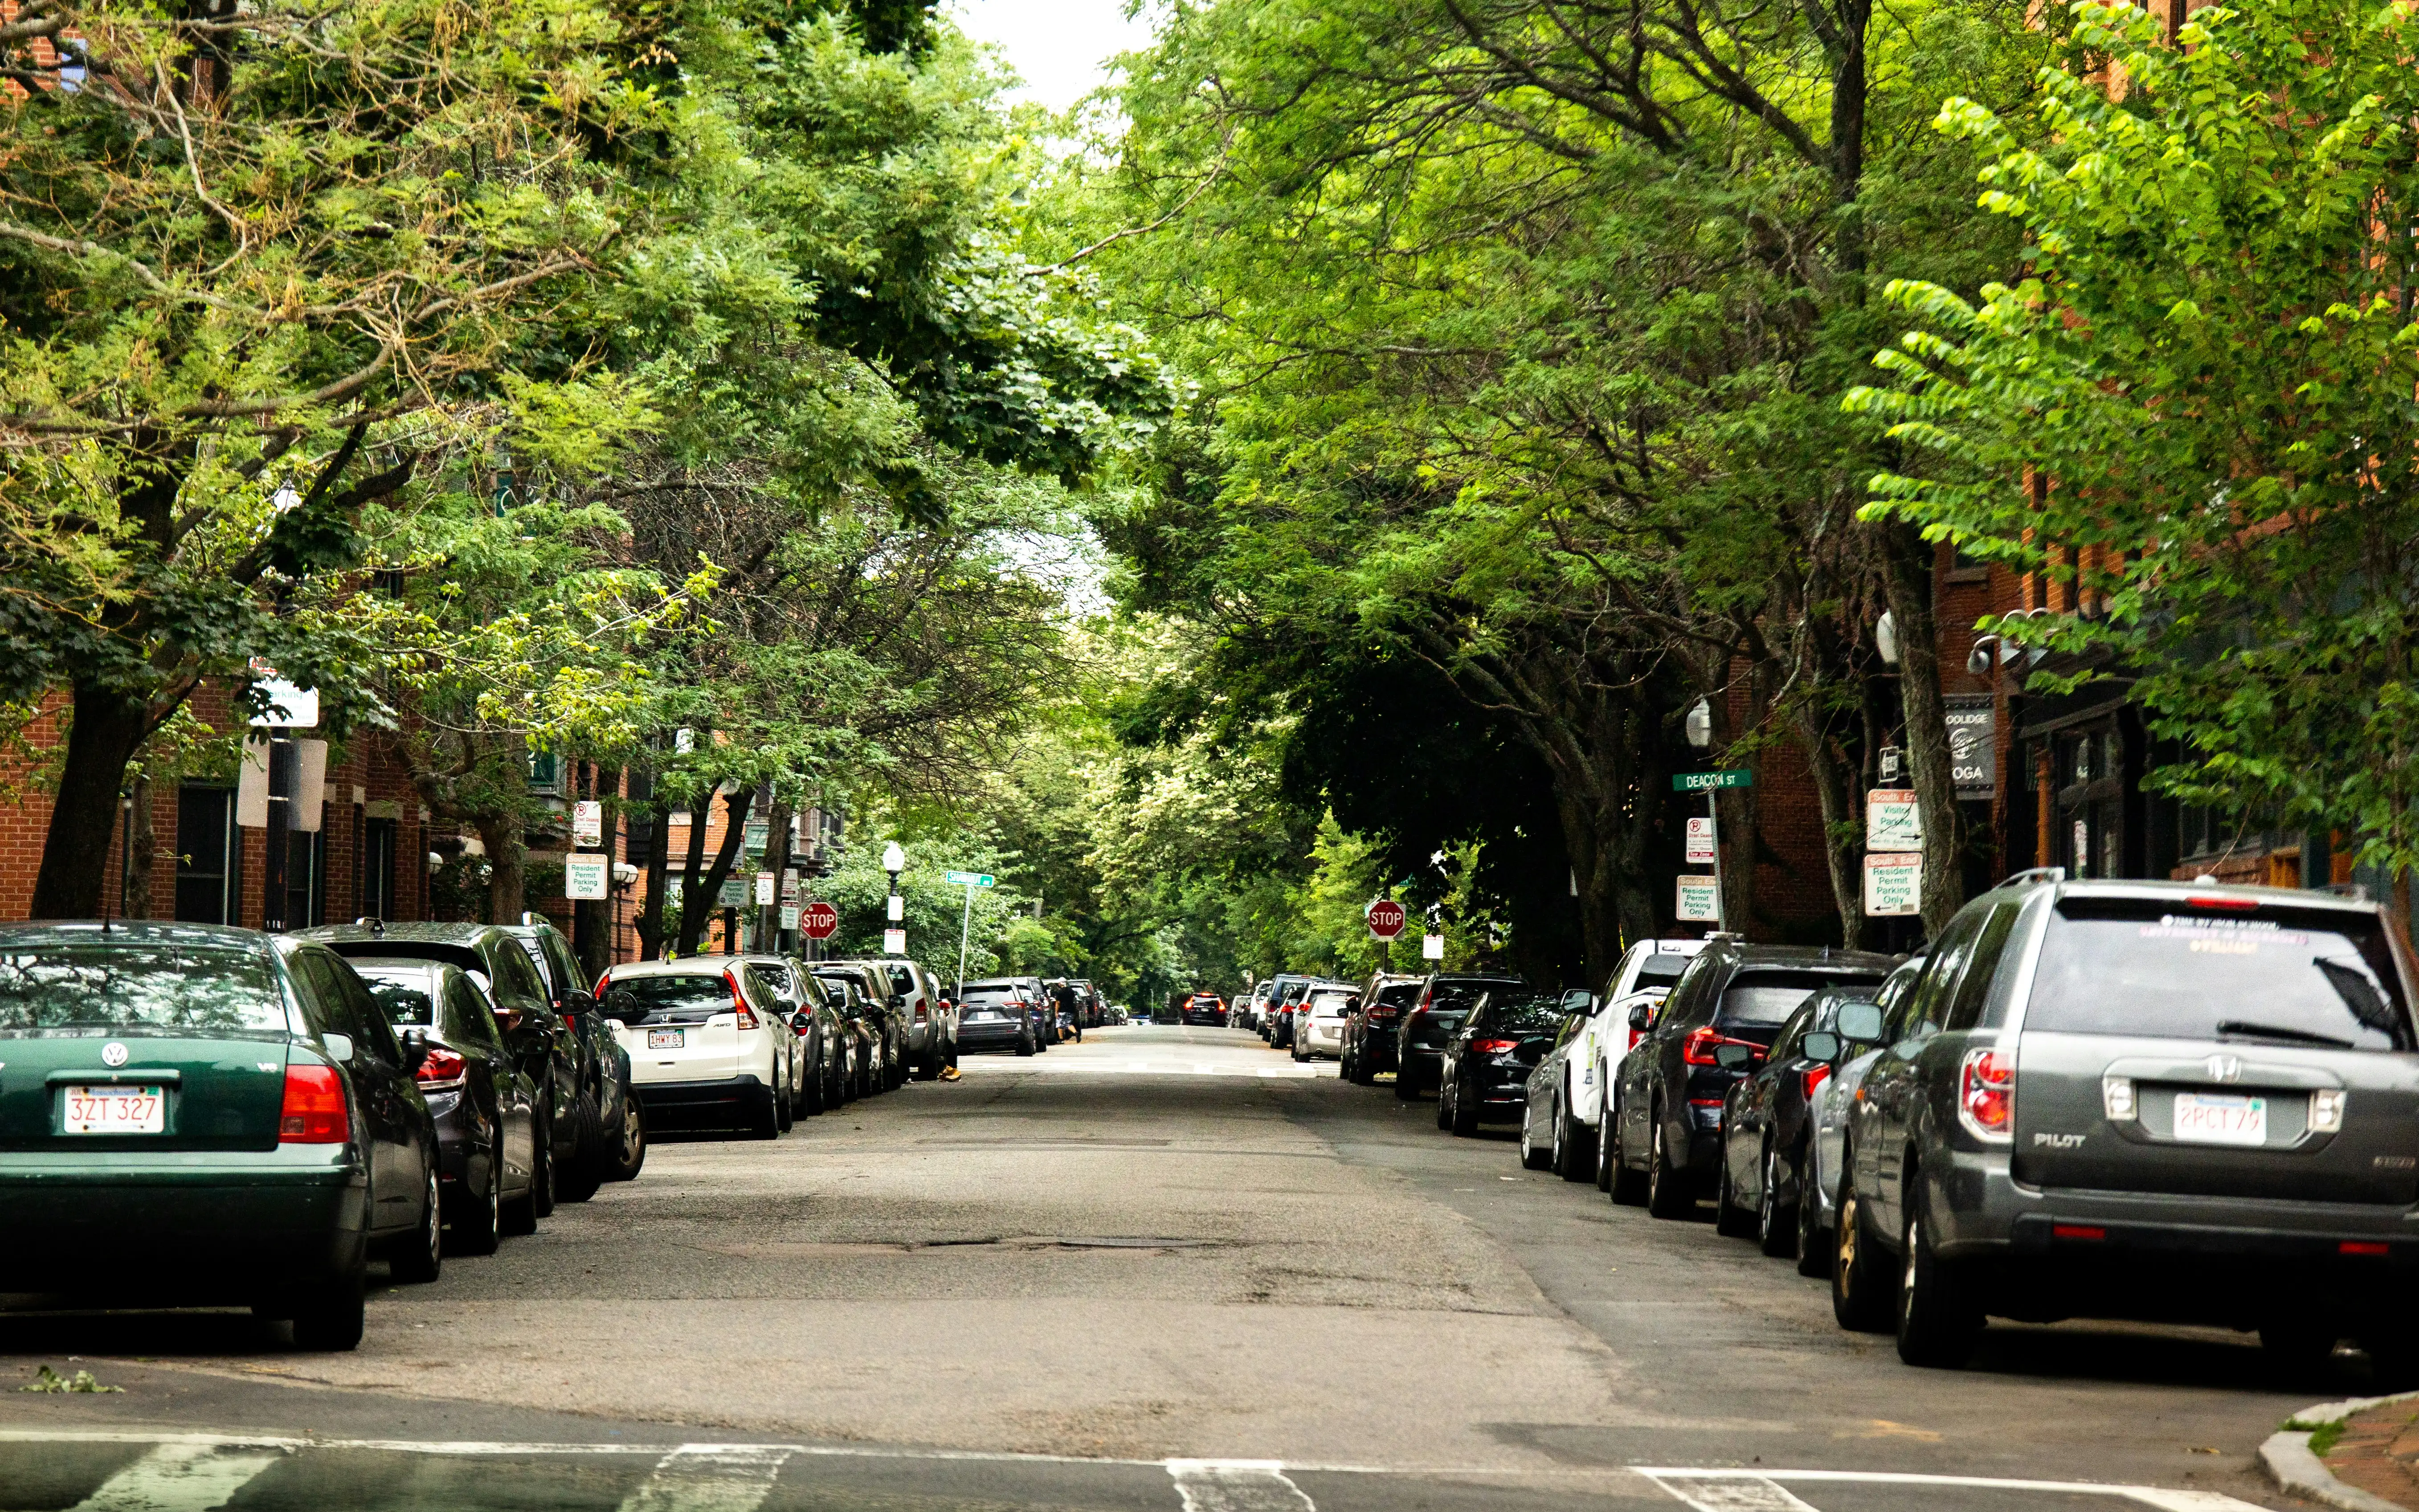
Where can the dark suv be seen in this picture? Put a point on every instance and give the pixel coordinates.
(1666, 1135)
(604, 1065)
(2163, 1101)
(1369, 1033)
(1431, 1022)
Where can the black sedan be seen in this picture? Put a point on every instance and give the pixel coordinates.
(1430, 1024)
(1668, 1094)
(1768, 1118)
(1485, 1073)
(484, 1107)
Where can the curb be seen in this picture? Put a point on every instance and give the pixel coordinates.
(2297, 1471)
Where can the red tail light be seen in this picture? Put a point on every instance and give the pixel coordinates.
(1698, 1048)
(2238, 905)
(1493, 1047)
(443, 1071)
(1986, 1093)
(1815, 1077)
(922, 1012)
(315, 1112)
(1636, 1035)
(739, 1002)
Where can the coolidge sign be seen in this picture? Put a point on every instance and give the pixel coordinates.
(1973, 747)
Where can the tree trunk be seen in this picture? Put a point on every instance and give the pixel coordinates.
(692, 911)
(656, 863)
(140, 850)
(107, 728)
(1907, 578)
(507, 867)
(697, 901)
(1835, 793)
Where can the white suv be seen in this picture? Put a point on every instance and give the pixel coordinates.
(707, 1039)
(1321, 1029)
(1647, 967)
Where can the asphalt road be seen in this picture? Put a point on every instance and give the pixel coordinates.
(1165, 1269)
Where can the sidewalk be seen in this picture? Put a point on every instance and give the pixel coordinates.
(2378, 1452)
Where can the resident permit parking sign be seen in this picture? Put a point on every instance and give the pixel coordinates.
(789, 916)
(586, 878)
(1699, 901)
(894, 942)
(1893, 883)
(1701, 841)
(1892, 820)
(1431, 947)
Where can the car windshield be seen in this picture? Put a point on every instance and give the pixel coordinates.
(404, 999)
(1331, 1005)
(1401, 994)
(1768, 997)
(1521, 1011)
(151, 985)
(1458, 998)
(2320, 978)
(1659, 971)
(690, 999)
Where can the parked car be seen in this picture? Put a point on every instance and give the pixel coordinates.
(799, 1071)
(1635, 1016)
(862, 1025)
(816, 1026)
(994, 1015)
(890, 1016)
(926, 1018)
(604, 1065)
(2174, 1100)
(1092, 1011)
(1322, 1031)
(1592, 1056)
(1369, 1030)
(1668, 1094)
(1818, 1186)
(199, 1116)
(1280, 1025)
(706, 1041)
(1485, 1074)
(1767, 1123)
(483, 1104)
(1205, 1009)
(1431, 1022)
(577, 1156)
(1549, 1127)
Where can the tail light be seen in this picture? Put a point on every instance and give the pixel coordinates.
(1493, 1047)
(1699, 1047)
(2232, 905)
(739, 1002)
(1815, 1077)
(1986, 1094)
(315, 1110)
(923, 1011)
(442, 1071)
(1636, 1035)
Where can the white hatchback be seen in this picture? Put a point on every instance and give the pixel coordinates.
(706, 1041)
(1320, 1032)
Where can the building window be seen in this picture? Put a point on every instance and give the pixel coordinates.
(305, 886)
(377, 870)
(207, 854)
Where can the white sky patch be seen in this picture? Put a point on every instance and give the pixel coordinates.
(1057, 47)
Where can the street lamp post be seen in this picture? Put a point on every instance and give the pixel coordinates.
(893, 860)
(1699, 728)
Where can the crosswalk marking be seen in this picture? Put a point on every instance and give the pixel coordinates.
(709, 1477)
(1141, 1066)
(1700, 1484)
(1741, 1493)
(179, 1478)
(1236, 1486)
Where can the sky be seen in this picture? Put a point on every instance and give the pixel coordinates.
(1056, 45)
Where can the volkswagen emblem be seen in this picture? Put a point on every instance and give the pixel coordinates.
(112, 1053)
(2224, 1069)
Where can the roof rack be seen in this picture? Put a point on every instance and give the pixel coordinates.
(2032, 876)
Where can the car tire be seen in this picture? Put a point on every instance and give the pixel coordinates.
(328, 1317)
(784, 1106)
(474, 1229)
(1666, 1185)
(1407, 1086)
(764, 1122)
(1024, 1046)
(632, 1157)
(420, 1256)
(1534, 1156)
(1465, 1118)
(1813, 1241)
(818, 1091)
(2297, 1350)
(1625, 1185)
(2393, 1348)
(1445, 1104)
(1731, 1220)
(1776, 1222)
(1937, 1318)
(542, 1168)
(587, 1167)
(1605, 1151)
(1860, 1300)
(1571, 1146)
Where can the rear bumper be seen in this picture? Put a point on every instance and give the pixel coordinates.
(720, 1091)
(195, 1229)
(998, 1036)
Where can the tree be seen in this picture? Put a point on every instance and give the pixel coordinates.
(2212, 360)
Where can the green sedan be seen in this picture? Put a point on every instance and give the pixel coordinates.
(198, 1115)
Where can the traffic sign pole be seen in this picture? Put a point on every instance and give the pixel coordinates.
(965, 925)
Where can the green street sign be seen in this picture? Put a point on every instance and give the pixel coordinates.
(967, 879)
(1701, 781)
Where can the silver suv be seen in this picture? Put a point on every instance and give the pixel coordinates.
(2161, 1100)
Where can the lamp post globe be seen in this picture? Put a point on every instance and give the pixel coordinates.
(894, 859)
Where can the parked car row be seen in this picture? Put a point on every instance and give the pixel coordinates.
(2165, 1102)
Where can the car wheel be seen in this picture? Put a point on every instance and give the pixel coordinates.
(2393, 1348)
(811, 1101)
(1571, 1146)
(420, 1256)
(1666, 1185)
(1731, 1220)
(1532, 1156)
(633, 1155)
(1407, 1086)
(765, 1121)
(1813, 1242)
(328, 1316)
(2297, 1347)
(1024, 1046)
(1445, 1103)
(1859, 1297)
(1937, 1318)
(783, 1103)
(1465, 1117)
(1776, 1222)
(542, 1170)
(1627, 1186)
(587, 1167)
(1605, 1163)
(473, 1230)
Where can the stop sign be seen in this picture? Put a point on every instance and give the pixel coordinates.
(1386, 918)
(819, 920)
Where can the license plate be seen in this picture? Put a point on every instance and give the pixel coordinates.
(2221, 1118)
(114, 1110)
(665, 1039)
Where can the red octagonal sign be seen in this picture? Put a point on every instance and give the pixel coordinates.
(1386, 918)
(821, 921)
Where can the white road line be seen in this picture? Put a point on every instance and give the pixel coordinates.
(1731, 1493)
(1236, 1486)
(709, 1477)
(178, 1478)
(2166, 1498)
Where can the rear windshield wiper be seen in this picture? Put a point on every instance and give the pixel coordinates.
(2233, 1027)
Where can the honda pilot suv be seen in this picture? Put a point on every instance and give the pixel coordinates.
(2170, 1102)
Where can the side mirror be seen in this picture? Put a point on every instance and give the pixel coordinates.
(1861, 1022)
(1734, 1056)
(415, 1046)
(339, 1047)
(1641, 1018)
(1819, 1044)
(1578, 1000)
(802, 1021)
